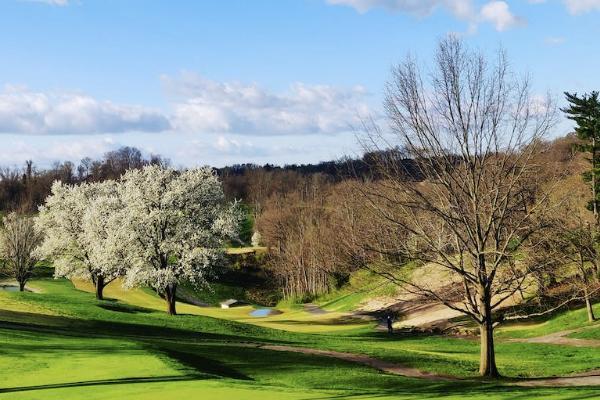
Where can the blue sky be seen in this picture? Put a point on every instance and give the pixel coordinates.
(227, 81)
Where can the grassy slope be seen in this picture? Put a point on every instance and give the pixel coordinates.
(592, 333)
(296, 320)
(362, 286)
(66, 342)
(217, 293)
(434, 353)
(562, 321)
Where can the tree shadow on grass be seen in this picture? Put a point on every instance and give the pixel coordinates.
(77, 327)
(339, 321)
(525, 395)
(125, 308)
(120, 381)
(203, 365)
(422, 389)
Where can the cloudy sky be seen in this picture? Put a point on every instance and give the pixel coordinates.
(227, 81)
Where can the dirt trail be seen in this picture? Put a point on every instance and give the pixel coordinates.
(314, 309)
(590, 378)
(381, 365)
(561, 338)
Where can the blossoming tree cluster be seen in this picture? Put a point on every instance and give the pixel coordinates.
(155, 227)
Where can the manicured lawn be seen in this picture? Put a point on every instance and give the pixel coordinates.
(564, 320)
(460, 357)
(227, 389)
(62, 366)
(590, 333)
(64, 344)
(292, 319)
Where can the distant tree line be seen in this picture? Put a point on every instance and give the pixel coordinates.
(25, 188)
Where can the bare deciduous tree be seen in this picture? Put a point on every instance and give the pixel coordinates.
(583, 247)
(295, 227)
(472, 196)
(575, 252)
(18, 244)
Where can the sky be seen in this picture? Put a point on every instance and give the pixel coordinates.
(218, 82)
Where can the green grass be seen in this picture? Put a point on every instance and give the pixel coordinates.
(246, 250)
(293, 318)
(592, 331)
(61, 365)
(213, 296)
(64, 344)
(362, 286)
(460, 357)
(562, 321)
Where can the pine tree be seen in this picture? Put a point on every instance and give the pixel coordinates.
(585, 111)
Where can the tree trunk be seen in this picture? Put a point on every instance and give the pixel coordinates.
(588, 305)
(100, 287)
(487, 360)
(170, 291)
(21, 286)
(594, 194)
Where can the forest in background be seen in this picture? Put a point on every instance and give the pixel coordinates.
(311, 217)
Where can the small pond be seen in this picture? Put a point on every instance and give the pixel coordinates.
(11, 288)
(264, 312)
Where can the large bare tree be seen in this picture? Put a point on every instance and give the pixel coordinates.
(461, 188)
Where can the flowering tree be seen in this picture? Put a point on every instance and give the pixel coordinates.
(178, 223)
(103, 237)
(18, 246)
(80, 232)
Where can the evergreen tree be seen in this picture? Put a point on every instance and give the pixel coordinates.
(585, 111)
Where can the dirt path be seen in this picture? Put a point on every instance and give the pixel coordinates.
(314, 309)
(381, 365)
(590, 378)
(561, 338)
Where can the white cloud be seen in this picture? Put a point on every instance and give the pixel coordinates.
(554, 40)
(582, 6)
(498, 13)
(231, 149)
(576, 7)
(25, 111)
(15, 150)
(460, 8)
(60, 3)
(231, 146)
(203, 105)
(198, 105)
(495, 12)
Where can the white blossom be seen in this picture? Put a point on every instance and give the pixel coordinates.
(178, 223)
(80, 232)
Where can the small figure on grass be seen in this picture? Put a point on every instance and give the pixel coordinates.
(390, 320)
